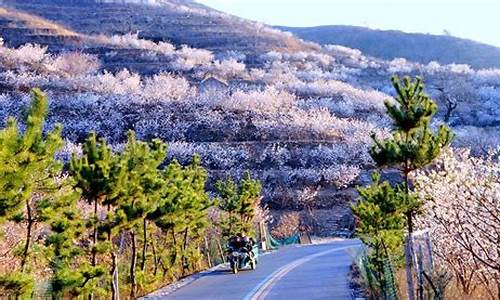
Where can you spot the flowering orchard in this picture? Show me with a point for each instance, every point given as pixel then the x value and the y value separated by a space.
pixel 298 120
pixel 462 210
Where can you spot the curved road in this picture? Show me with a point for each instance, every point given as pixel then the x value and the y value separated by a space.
pixel 309 272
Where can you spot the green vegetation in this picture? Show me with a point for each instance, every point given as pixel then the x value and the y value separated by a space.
pixel 238 201
pixel 92 172
pixel 112 222
pixel 381 230
pixel 384 210
pixel 28 181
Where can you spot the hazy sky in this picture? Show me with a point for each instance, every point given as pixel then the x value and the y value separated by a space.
pixel 474 19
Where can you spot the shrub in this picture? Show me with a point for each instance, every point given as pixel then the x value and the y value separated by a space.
pixel 74 64
pixel 133 41
pixel 165 86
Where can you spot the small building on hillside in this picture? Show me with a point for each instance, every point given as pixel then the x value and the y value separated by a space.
pixel 212 83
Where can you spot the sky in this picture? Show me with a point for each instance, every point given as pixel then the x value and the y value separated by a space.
pixel 473 19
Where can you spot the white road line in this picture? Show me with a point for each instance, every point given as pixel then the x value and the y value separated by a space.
pixel 263 288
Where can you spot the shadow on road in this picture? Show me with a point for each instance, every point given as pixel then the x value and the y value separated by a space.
pixel 225 272
pixel 219 272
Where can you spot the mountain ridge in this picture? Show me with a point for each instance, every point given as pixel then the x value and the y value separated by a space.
pixel 390 44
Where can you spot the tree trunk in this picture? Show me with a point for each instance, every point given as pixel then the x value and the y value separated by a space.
pixel 144 244
pixel 133 262
pixel 94 235
pixel 115 288
pixel 155 257
pixel 428 246
pixel 207 249
pixel 122 242
pixel 450 107
pixel 115 283
pixel 221 253
pixel 174 240
pixel 230 223
pixel 29 229
pixel 165 269
pixel 184 247
pixel 409 239
pixel 312 219
pixel 409 266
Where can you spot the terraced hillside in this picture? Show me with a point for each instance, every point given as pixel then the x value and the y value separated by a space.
pixel 65 26
pixel 241 95
pixel 17 28
pixel 180 22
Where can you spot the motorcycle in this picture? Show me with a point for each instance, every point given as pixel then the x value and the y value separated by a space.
pixel 240 259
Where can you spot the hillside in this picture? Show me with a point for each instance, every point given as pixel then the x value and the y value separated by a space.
pixel 390 44
pixel 87 25
pixel 119 118
pixel 179 22
pixel 240 94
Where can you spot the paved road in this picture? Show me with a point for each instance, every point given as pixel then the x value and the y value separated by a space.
pixel 302 272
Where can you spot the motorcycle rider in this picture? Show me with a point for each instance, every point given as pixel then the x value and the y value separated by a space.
pixel 242 242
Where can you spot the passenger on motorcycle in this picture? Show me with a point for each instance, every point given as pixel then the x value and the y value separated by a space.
pixel 241 242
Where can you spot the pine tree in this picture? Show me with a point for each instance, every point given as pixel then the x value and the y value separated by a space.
pixel 250 196
pixel 94 176
pixel 60 212
pixel 239 202
pixel 381 226
pixel 138 193
pixel 193 203
pixel 182 212
pixel 166 214
pixel 228 200
pixel 108 229
pixel 413 145
pixel 28 169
